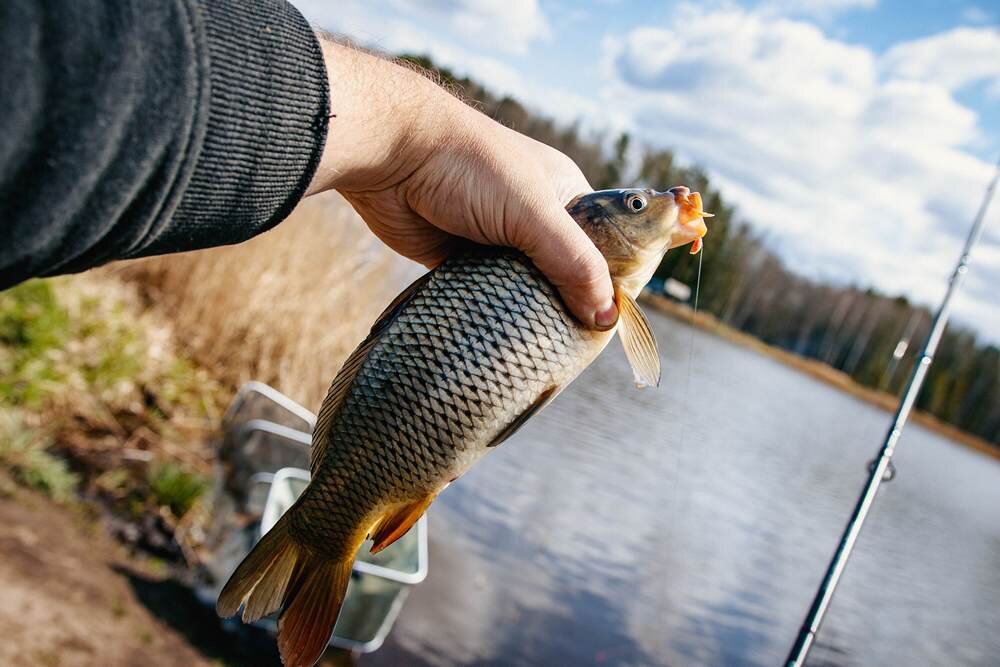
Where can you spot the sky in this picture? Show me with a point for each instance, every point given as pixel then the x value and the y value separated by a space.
pixel 858 134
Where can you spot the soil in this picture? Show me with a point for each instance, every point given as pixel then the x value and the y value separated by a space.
pixel 71 595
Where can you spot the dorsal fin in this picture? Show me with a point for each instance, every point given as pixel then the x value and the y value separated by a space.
pixel 638 341
pixel 345 377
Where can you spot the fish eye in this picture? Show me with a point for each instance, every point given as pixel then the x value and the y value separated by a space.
pixel 635 203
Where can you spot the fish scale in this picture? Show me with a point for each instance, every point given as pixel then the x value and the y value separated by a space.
pixel 474 347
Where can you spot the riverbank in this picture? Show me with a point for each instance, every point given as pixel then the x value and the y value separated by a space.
pixel 816 369
pixel 72 595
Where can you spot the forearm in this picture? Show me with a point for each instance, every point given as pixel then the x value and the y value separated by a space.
pixel 139 127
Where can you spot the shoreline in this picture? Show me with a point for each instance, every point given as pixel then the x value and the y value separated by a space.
pixel 816 369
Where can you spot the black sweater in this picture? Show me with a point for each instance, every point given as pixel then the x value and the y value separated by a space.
pixel 140 127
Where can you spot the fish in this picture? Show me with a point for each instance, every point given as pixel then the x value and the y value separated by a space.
pixel 453 367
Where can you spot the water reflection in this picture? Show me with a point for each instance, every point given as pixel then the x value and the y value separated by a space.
pixel 689 525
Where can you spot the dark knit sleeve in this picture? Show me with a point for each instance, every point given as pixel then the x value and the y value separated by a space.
pixel 139 127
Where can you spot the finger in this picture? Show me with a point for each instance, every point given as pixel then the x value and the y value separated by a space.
pixel 568 258
pixel 435 257
pixel 410 235
pixel 427 246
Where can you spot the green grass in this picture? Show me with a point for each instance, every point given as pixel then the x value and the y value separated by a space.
pixel 173 487
pixel 54 338
pixel 33 324
pixel 84 366
pixel 23 452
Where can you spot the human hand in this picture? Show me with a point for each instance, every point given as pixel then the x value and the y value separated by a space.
pixel 422 168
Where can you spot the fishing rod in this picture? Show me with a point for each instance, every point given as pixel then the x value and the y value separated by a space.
pixel 881 468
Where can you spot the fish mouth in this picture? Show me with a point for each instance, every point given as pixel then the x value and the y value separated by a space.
pixel 690 217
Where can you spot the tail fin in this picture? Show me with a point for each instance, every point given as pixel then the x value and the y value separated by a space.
pixel 309 589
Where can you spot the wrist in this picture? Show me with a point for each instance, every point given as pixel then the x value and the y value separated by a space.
pixel 386 120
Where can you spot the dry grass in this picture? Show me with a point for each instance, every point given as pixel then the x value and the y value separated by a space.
pixel 818 370
pixel 286 307
pixel 93 392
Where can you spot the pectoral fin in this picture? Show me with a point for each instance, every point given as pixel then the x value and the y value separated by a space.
pixel 638 341
pixel 543 399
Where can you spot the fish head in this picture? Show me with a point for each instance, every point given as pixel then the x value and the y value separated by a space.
pixel 633 228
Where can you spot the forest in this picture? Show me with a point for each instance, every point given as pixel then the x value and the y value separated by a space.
pixel 872 337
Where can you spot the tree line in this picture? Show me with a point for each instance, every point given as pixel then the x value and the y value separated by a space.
pixel 873 337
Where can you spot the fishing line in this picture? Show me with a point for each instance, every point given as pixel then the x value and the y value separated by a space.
pixel 668 533
pixel 687 381
pixel 693 324
pixel 690 364
pixel 697 285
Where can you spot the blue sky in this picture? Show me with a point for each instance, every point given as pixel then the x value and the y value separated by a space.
pixel 859 134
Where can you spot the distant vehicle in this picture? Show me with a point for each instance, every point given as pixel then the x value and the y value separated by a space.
pixel 263 467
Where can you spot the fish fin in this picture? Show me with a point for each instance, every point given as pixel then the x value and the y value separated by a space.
pixel 261 579
pixel 397 520
pixel 544 399
pixel 349 370
pixel 281 574
pixel 334 397
pixel 315 595
pixel 638 341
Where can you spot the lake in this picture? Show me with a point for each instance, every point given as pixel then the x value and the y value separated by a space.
pixel 691 524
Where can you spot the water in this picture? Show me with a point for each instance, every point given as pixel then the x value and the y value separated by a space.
pixel 690 525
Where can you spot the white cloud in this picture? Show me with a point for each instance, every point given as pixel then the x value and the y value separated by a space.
pixel 976 15
pixel 817 8
pixel 950 59
pixel 855 163
pixel 395 31
pixel 508 26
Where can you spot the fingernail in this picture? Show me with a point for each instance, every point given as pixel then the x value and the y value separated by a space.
pixel 606 317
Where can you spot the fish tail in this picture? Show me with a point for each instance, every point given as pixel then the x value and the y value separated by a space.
pixel 308 588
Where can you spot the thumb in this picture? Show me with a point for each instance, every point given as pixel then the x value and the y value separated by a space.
pixel 570 260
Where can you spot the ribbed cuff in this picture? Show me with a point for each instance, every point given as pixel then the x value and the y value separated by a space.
pixel 267 124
